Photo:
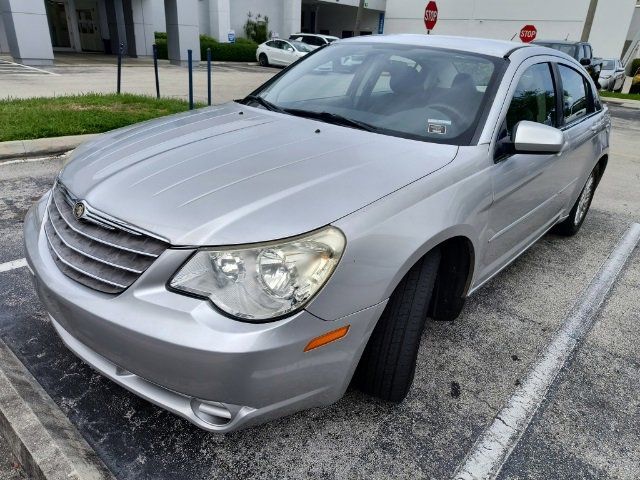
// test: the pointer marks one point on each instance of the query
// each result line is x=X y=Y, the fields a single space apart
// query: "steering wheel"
x=448 y=110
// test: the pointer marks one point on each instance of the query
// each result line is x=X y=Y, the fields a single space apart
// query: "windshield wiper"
x=332 y=118
x=265 y=103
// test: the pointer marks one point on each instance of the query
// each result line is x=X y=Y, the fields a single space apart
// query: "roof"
x=486 y=46
x=559 y=42
x=313 y=35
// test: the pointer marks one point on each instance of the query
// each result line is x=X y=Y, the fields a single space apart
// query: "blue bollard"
x=209 y=76
x=190 y=56
x=155 y=68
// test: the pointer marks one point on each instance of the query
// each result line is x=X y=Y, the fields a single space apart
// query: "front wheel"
x=573 y=222
x=263 y=60
x=388 y=363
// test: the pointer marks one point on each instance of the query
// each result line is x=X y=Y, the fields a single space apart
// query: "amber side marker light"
x=328 y=337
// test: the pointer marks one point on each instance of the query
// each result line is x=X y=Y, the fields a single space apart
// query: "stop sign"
x=430 y=15
x=528 y=33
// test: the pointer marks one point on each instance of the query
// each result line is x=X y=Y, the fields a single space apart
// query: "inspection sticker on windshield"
x=435 y=125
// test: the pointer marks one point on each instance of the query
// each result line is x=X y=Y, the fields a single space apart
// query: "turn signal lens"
x=328 y=337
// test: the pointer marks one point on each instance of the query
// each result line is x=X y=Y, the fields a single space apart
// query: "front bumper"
x=181 y=354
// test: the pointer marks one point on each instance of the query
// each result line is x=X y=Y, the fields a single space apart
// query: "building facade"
x=607 y=27
x=31 y=30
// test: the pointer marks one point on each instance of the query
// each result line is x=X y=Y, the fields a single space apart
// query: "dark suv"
x=581 y=51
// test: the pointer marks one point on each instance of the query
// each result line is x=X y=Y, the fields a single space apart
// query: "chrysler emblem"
x=79 y=210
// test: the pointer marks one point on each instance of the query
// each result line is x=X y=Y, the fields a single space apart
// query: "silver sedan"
x=238 y=263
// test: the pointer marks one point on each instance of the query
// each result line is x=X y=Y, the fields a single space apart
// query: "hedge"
x=635 y=65
x=242 y=51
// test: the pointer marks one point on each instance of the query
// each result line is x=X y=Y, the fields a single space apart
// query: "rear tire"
x=263 y=60
x=388 y=363
x=571 y=225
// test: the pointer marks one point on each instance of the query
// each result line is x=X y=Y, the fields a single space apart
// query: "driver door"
x=525 y=186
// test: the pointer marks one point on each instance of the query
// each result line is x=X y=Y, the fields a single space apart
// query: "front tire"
x=571 y=225
x=388 y=364
x=263 y=60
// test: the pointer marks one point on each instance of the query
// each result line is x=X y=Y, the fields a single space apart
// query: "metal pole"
x=120 y=49
x=209 y=76
x=155 y=68
x=190 y=57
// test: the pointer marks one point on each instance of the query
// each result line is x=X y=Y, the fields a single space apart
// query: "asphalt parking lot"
x=75 y=74
x=587 y=427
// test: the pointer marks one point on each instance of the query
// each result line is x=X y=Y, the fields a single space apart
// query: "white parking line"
x=29 y=160
x=12 y=265
x=492 y=449
x=12 y=65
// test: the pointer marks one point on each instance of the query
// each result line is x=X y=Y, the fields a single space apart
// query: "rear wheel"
x=263 y=60
x=388 y=363
x=573 y=222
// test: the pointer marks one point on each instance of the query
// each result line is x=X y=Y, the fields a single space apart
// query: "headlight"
x=262 y=281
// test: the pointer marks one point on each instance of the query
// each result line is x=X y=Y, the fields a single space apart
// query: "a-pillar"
x=183 y=31
x=27 y=31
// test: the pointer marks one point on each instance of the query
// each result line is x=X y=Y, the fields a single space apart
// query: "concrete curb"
x=38 y=433
x=623 y=102
x=41 y=146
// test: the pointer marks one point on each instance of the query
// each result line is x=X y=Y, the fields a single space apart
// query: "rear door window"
x=575 y=98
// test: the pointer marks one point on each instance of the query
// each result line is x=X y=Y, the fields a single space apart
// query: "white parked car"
x=313 y=39
x=281 y=52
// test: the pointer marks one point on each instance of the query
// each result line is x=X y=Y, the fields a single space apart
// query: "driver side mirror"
x=532 y=137
x=585 y=61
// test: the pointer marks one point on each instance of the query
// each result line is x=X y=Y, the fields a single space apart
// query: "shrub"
x=257 y=29
x=160 y=35
x=163 y=53
x=242 y=51
x=635 y=65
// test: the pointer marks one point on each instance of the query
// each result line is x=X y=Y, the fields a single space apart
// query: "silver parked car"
x=238 y=263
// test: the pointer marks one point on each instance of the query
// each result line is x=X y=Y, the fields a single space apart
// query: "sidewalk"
x=623 y=102
x=77 y=74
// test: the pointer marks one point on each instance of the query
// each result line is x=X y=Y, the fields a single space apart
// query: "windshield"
x=608 y=65
x=301 y=47
x=416 y=92
x=567 y=48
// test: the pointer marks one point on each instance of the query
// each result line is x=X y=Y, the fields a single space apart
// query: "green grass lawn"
x=23 y=119
x=626 y=96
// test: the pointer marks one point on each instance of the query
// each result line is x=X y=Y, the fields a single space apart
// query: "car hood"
x=236 y=174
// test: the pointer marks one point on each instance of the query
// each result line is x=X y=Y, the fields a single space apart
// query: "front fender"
x=386 y=238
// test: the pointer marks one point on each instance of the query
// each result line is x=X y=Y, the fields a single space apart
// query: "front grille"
x=97 y=250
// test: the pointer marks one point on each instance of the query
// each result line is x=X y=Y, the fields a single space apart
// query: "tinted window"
x=534 y=98
x=574 y=94
x=271 y=44
x=567 y=48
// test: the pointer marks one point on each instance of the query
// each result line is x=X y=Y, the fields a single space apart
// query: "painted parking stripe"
x=5 y=267
x=492 y=449
x=12 y=65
